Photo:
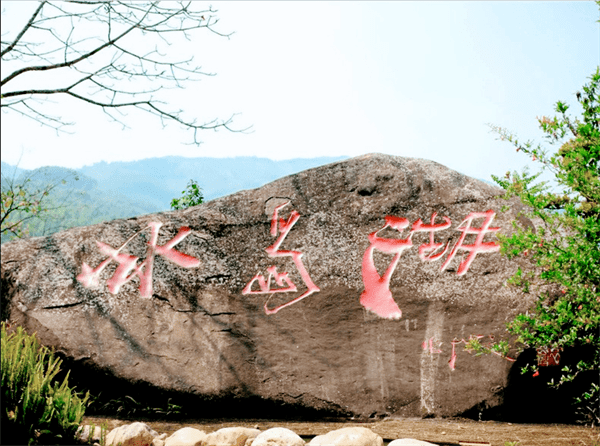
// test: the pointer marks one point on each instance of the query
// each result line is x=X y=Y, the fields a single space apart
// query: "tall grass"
x=35 y=407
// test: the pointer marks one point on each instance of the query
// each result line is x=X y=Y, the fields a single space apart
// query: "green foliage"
x=20 y=204
x=30 y=201
x=587 y=402
x=564 y=251
x=35 y=407
x=192 y=196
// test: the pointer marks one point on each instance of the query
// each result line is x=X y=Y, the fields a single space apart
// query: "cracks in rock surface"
x=53 y=307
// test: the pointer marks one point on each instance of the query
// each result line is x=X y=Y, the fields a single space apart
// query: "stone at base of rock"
x=135 y=434
x=85 y=434
x=348 y=436
x=278 y=436
x=160 y=440
x=410 y=442
x=187 y=436
x=231 y=436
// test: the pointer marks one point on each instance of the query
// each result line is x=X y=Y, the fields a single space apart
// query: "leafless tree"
x=109 y=54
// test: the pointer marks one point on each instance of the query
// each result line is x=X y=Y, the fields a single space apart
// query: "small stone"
x=230 y=436
x=160 y=440
x=187 y=436
x=135 y=434
x=348 y=436
x=410 y=442
x=85 y=434
x=278 y=436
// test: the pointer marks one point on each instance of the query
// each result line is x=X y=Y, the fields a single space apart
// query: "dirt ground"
x=442 y=432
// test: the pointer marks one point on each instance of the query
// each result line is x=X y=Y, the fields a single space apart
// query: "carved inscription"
x=285 y=285
x=377 y=296
x=128 y=267
x=429 y=345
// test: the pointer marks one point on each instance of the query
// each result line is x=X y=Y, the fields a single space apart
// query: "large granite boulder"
x=350 y=288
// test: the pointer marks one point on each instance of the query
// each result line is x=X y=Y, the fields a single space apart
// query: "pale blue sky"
x=414 y=79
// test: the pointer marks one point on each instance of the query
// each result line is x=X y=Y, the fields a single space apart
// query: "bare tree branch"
x=90 y=45
x=23 y=31
x=65 y=63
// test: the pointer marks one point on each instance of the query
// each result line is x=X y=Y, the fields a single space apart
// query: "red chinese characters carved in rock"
x=128 y=267
x=377 y=296
x=479 y=245
x=285 y=285
x=428 y=344
x=455 y=342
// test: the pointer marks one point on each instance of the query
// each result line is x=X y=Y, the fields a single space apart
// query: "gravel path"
x=438 y=431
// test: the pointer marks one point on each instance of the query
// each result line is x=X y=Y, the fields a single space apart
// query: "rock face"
x=350 y=288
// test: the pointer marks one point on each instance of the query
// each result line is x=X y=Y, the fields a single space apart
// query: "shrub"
x=564 y=251
x=35 y=407
x=192 y=196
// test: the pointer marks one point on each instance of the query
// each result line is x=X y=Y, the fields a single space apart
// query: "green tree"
x=192 y=196
x=27 y=200
x=564 y=249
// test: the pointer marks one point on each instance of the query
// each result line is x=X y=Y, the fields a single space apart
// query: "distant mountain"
x=157 y=181
x=10 y=172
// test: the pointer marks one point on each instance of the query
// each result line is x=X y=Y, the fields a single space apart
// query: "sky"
x=412 y=79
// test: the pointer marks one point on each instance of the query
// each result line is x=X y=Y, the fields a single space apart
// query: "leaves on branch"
x=192 y=196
